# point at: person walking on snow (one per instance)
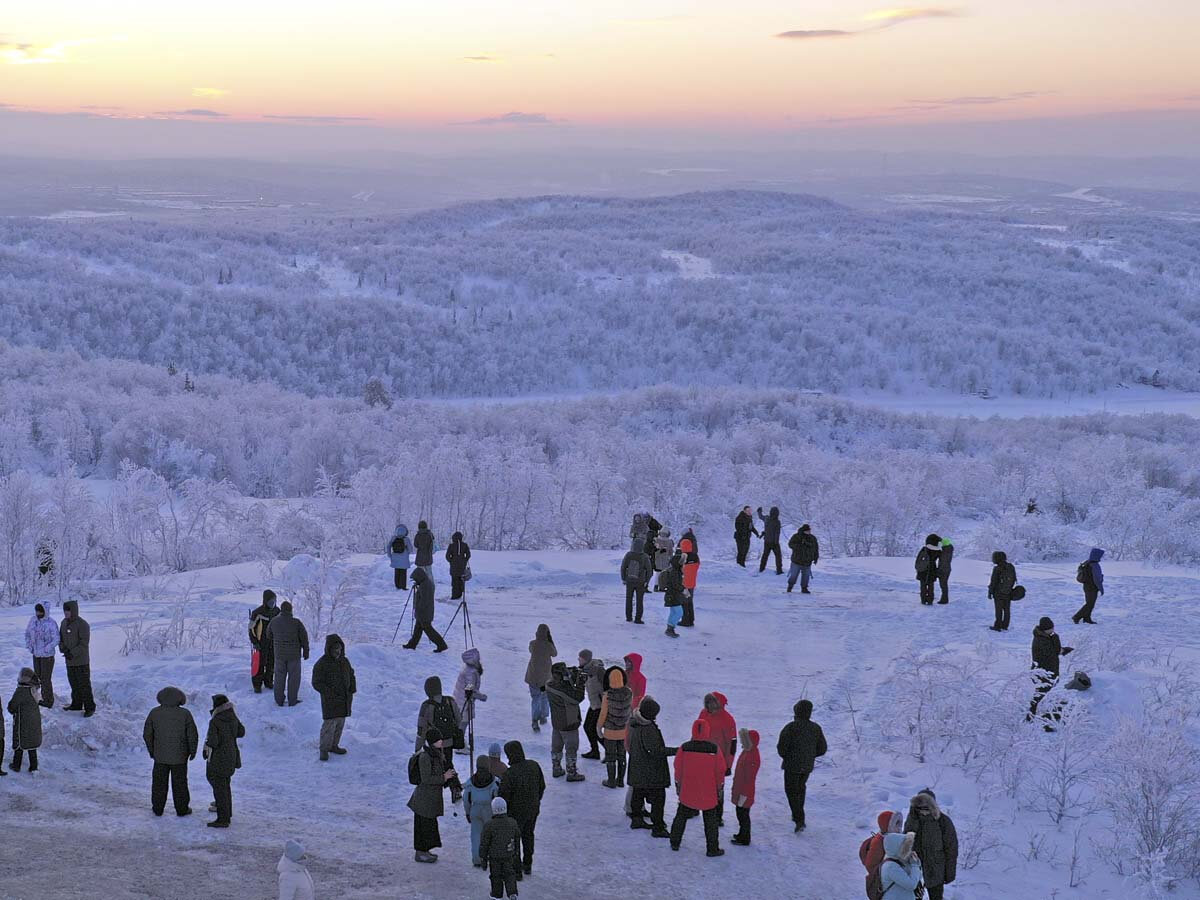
(260, 620)
(481, 789)
(636, 569)
(674, 593)
(458, 555)
(770, 538)
(926, 565)
(424, 544)
(1091, 577)
(171, 740)
(223, 757)
(900, 870)
(935, 842)
(522, 788)
(1000, 589)
(74, 640)
(294, 881)
(649, 773)
(537, 675)
(805, 554)
(723, 732)
(594, 669)
(565, 692)
(435, 769)
(943, 569)
(744, 777)
(333, 678)
(801, 742)
(500, 847)
(26, 721)
(691, 571)
(41, 639)
(423, 610)
(699, 777)
(399, 554)
(613, 725)
(290, 640)
(466, 687)
(743, 527)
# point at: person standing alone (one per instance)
(1000, 589)
(399, 556)
(333, 678)
(424, 543)
(1091, 576)
(223, 756)
(41, 638)
(800, 744)
(458, 555)
(805, 553)
(636, 569)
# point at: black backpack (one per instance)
(446, 722)
(399, 545)
(1084, 573)
(634, 571)
(923, 561)
(414, 769)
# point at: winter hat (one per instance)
(422, 524)
(268, 596)
(433, 734)
(218, 701)
(806, 527)
(1046, 623)
(559, 669)
(433, 687)
(890, 822)
(999, 556)
(27, 676)
(803, 709)
(494, 749)
(38, 608)
(926, 800)
(946, 542)
(294, 851)
(457, 536)
(585, 656)
(285, 606)
(499, 806)
(649, 708)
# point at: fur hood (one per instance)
(926, 799)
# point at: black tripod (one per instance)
(468, 635)
(407, 601)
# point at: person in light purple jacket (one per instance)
(41, 638)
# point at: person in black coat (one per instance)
(333, 679)
(260, 620)
(499, 847)
(926, 565)
(223, 757)
(653, 527)
(805, 553)
(743, 527)
(945, 560)
(458, 555)
(649, 773)
(636, 569)
(801, 742)
(423, 543)
(423, 613)
(1047, 650)
(74, 640)
(171, 740)
(1000, 589)
(522, 788)
(936, 844)
(770, 538)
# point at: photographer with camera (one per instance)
(566, 690)
(594, 670)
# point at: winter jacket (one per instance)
(27, 719)
(671, 583)
(74, 636)
(260, 620)
(945, 560)
(699, 769)
(439, 711)
(616, 707)
(477, 798)
(722, 729)
(458, 555)
(653, 527)
(470, 677)
(746, 773)
(426, 799)
(423, 543)
(899, 879)
(937, 841)
(636, 559)
(224, 729)
(639, 531)
(501, 840)
(648, 754)
(170, 731)
(801, 741)
(635, 678)
(691, 563)
(541, 652)
(288, 636)
(294, 881)
(690, 535)
(523, 784)
(402, 559)
(1094, 566)
(41, 636)
(889, 823)
(333, 679)
(595, 682)
(1002, 582)
(565, 697)
(422, 597)
(804, 547)
(771, 525)
(926, 562)
(1047, 649)
(743, 526)
(664, 546)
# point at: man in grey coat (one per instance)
(74, 639)
(171, 740)
(290, 641)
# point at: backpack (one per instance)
(1084, 573)
(875, 883)
(922, 563)
(1018, 592)
(446, 722)
(399, 545)
(863, 849)
(1006, 582)
(414, 769)
(634, 571)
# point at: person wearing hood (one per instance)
(440, 712)
(635, 677)
(900, 870)
(466, 686)
(522, 788)
(565, 692)
(613, 725)
(945, 559)
(639, 532)
(664, 546)
(27, 721)
(74, 640)
(1047, 650)
(744, 778)
(290, 640)
(926, 565)
(674, 593)
(770, 538)
(171, 740)
(41, 639)
(1000, 589)
(871, 851)
(801, 742)
(458, 555)
(743, 527)
(636, 569)
(496, 765)
(500, 848)
(436, 771)
(699, 777)
(481, 789)
(653, 527)
(1091, 577)
(723, 732)
(594, 669)
(424, 543)
(260, 621)
(935, 842)
(805, 554)
(423, 609)
(691, 572)
(649, 773)
(537, 674)
(399, 553)
(333, 679)
(223, 756)
(294, 881)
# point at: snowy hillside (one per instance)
(860, 647)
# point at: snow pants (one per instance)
(178, 775)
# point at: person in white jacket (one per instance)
(901, 870)
(294, 881)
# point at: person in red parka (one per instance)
(691, 569)
(871, 851)
(744, 777)
(635, 679)
(724, 732)
(699, 778)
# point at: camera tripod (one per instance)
(468, 634)
(407, 601)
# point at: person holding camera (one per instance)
(565, 691)
(435, 769)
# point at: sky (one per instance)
(631, 69)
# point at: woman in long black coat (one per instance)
(333, 679)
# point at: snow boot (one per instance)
(671, 632)
(611, 780)
(536, 726)
(340, 751)
(660, 833)
(594, 753)
(573, 775)
(422, 857)
(639, 823)
(717, 852)
(621, 772)
(557, 770)
(324, 756)
(740, 841)
(790, 586)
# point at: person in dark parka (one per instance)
(435, 764)
(499, 847)
(636, 569)
(805, 554)
(1000, 589)
(565, 691)
(1047, 649)
(926, 565)
(936, 844)
(333, 679)
(945, 560)
(290, 640)
(458, 555)
(653, 527)
(171, 740)
(770, 538)
(260, 619)
(801, 742)
(423, 613)
(74, 640)
(649, 773)
(26, 720)
(424, 544)
(743, 527)
(1091, 577)
(522, 788)
(223, 756)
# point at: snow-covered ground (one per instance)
(83, 827)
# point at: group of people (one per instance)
(805, 550)
(911, 856)
(419, 554)
(674, 569)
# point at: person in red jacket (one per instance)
(691, 569)
(871, 852)
(634, 677)
(699, 777)
(724, 732)
(744, 777)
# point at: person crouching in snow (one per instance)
(482, 788)
(294, 881)
(499, 845)
(699, 775)
(27, 720)
(466, 688)
(333, 679)
(426, 802)
(900, 875)
(744, 777)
